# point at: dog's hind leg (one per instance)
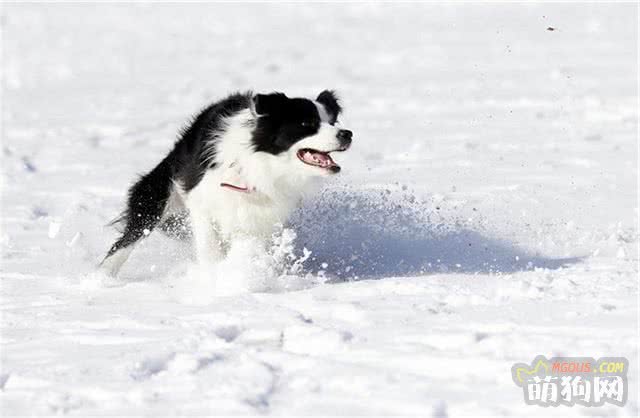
(145, 209)
(115, 259)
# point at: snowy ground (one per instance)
(486, 213)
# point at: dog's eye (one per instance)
(306, 124)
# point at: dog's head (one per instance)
(301, 131)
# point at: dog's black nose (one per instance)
(344, 136)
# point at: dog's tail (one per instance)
(146, 204)
(119, 221)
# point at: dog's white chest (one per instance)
(233, 212)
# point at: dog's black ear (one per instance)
(269, 104)
(330, 100)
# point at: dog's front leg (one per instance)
(208, 245)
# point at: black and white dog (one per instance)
(238, 169)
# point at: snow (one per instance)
(486, 213)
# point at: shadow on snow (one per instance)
(357, 235)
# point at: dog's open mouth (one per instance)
(318, 159)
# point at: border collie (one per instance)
(238, 169)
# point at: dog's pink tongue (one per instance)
(318, 158)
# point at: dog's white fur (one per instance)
(276, 184)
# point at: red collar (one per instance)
(235, 188)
